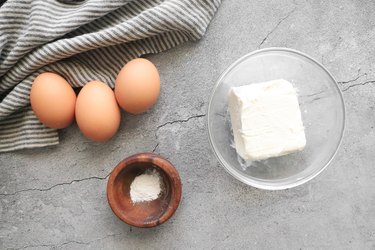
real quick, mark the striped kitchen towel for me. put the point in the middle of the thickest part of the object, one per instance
(82, 41)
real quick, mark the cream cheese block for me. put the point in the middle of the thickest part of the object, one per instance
(266, 120)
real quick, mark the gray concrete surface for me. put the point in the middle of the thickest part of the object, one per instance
(54, 198)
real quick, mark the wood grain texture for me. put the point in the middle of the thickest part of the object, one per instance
(143, 214)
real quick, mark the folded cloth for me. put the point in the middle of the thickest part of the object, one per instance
(81, 41)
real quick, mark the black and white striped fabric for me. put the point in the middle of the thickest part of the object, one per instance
(82, 41)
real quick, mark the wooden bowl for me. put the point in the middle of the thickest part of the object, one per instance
(143, 214)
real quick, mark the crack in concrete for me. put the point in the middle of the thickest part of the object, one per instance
(72, 241)
(156, 146)
(313, 100)
(358, 84)
(313, 94)
(353, 80)
(88, 242)
(56, 185)
(173, 122)
(180, 121)
(277, 25)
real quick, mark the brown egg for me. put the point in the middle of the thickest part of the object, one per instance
(53, 100)
(97, 112)
(137, 86)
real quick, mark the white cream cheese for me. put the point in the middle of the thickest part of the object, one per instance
(266, 120)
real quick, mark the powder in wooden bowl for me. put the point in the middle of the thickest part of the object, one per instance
(146, 187)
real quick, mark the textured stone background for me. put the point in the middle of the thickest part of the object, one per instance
(55, 197)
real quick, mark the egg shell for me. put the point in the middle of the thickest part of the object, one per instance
(53, 100)
(137, 86)
(97, 112)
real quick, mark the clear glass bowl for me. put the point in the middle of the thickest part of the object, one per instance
(322, 109)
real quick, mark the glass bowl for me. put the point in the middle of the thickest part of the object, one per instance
(322, 109)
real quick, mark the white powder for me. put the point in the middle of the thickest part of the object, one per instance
(145, 187)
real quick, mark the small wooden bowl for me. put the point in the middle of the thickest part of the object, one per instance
(143, 214)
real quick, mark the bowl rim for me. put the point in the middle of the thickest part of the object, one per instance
(261, 184)
(167, 168)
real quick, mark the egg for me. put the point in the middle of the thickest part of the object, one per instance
(137, 86)
(97, 112)
(53, 100)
